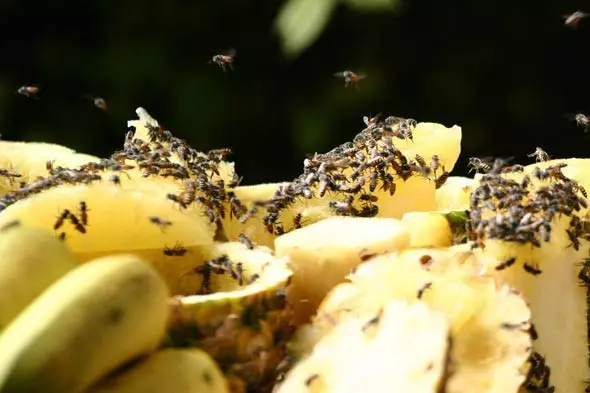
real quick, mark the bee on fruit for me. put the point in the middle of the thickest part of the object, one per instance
(507, 263)
(534, 270)
(350, 77)
(76, 223)
(61, 218)
(245, 240)
(225, 60)
(582, 121)
(177, 251)
(83, 213)
(28, 91)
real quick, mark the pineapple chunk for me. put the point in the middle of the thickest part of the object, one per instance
(28, 159)
(239, 314)
(402, 348)
(454, 194)
(119, 220)
(253, 228)
(428, 229)
(543, 254)
(489, 320)
(322, 254)
(375, 175)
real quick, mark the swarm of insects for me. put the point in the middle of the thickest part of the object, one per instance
(355, 171)
(523, 213)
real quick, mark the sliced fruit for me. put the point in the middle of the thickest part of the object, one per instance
(323, 254)
(84, 326)
(428, 229)
(489, 321)
(119, 220)
(454, 194)
(538, 234)
(170, 370)
(30, 260)
(240, 316)
(402, 347)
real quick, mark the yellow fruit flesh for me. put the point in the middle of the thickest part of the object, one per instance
(65, 340)
(119, 221)
(170, 370)
(30, 261)
(454, 194)
(475, 306)
(404, 349)
(428, 229)
(322, 254)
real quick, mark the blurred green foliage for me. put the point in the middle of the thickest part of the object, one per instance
(301, 22)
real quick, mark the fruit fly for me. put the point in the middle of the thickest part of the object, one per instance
(160, 222)
(28, 91)
(574, 19)
(225, 60)
(350, 77)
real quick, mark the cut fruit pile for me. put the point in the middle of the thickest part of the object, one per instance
(154, 270)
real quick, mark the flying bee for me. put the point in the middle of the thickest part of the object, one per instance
(574, 19)
(350, 77)
(28, 91)
(581, 121)
(245, 240)
(177, 251)
(83, 213)
(539, 154)
(160, 222)
(98, 102)
(225, 59)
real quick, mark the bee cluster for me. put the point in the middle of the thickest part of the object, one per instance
(356, 170)
(523, 213)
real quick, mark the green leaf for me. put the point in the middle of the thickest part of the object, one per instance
(372, 5)
(457, 217)
(300, 23)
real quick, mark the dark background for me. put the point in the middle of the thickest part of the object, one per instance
(508, 72)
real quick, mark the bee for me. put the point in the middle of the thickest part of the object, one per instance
(49, 166)
(371, 123)
(505, 264)
(83, 213)
(365, 254)
(176, 198)
(236, 207)
(60, 219)
(28, 91)
(368, 198)
(434, 163)
(297, 220)
(225, 60)
(574, 19)
(76, 223)
(477, 164)
(62, 236)
(279, 230)
(531, 269)
(539, 154)
(350, 78)
(115, 179)
(422, 289)
(582, 121)
(309, 380)
(373, 181)
(420, 160)
(9, 174)
(246, 241)
(100, 103)
(442, 178)
(249, 214)
(160, 222)
(177, 251)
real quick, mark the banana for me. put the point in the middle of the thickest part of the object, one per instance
(30, 260)
(170, 370)
(322, 254)
(91, 321)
